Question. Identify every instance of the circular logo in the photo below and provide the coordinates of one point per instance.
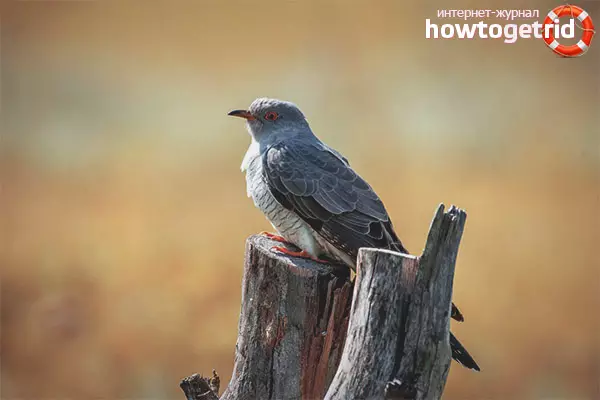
(587, 26)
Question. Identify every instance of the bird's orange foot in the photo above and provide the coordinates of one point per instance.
(274, 237)
(300, 254)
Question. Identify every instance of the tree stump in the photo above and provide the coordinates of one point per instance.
(292, 325)
(398, 338)
(296, 313)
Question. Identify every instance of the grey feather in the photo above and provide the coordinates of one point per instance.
(306, 177)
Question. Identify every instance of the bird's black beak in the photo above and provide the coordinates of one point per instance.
(242, 114)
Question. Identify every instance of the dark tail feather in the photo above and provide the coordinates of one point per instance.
(456, 314)
(460, 354)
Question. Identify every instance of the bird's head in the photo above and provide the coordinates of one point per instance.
(270, 119)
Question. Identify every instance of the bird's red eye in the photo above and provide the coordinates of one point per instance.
(271, 116)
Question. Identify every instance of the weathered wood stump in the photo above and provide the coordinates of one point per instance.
(296, 314)
(292, 325)
(398, 338)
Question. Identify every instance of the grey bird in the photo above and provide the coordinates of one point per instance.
(311, 195)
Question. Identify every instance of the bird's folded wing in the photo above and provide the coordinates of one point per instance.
(324, 191)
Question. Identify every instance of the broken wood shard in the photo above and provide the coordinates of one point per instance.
(196, 387)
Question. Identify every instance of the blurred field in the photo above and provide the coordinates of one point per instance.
(125, 212)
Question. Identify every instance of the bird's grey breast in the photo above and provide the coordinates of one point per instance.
(256, 186)
(286, 222)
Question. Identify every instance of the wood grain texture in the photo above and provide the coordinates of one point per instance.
(292, 325)
(397, 345)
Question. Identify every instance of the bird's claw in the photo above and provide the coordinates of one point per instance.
(274, 237)
(300, 254)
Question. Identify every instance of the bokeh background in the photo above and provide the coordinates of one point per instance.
(124, 211)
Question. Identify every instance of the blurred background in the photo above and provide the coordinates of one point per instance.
(125, 213)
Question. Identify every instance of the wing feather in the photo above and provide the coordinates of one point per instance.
(318, 185)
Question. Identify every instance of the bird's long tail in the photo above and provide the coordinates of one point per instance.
(461, 355)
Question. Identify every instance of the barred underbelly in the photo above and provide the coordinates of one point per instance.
(287, 223)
